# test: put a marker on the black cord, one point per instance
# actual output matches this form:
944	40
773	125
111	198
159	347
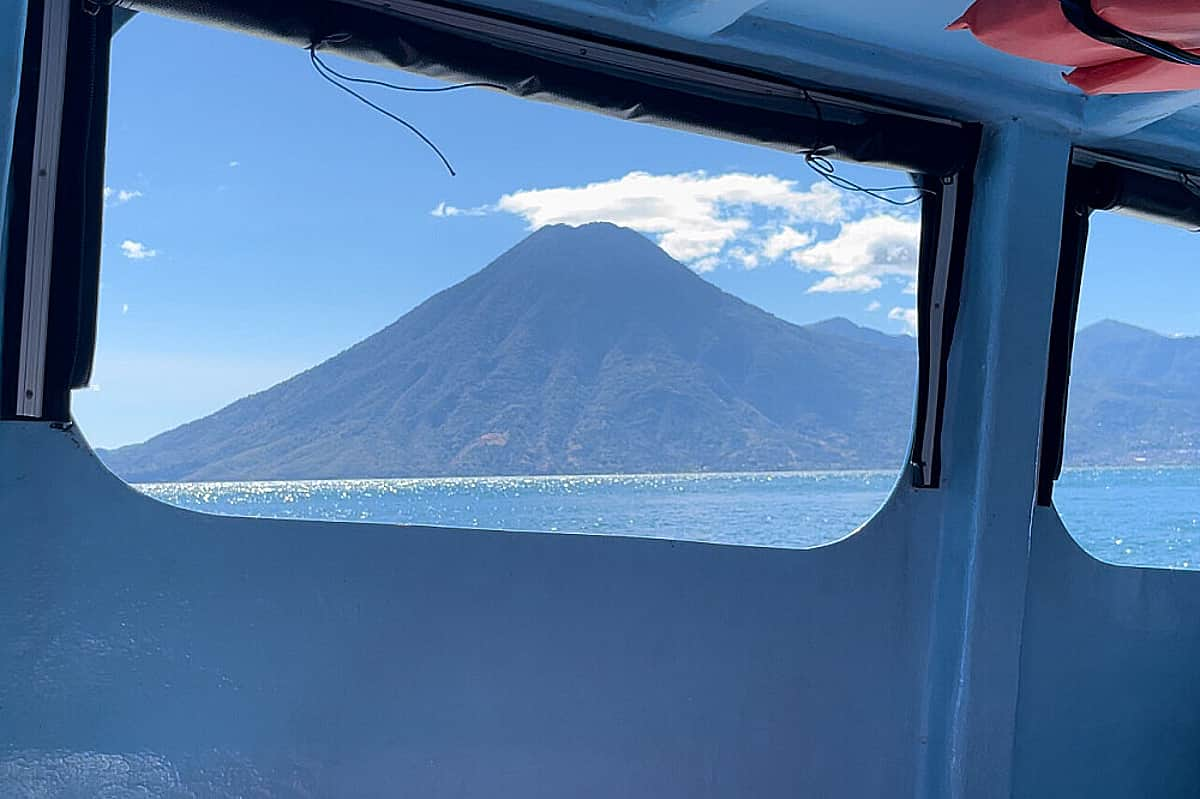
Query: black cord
92	7
386	85
320	70
824	167
819	115
1190	183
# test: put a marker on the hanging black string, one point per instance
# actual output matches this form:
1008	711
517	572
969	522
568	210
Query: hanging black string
816	107
332	76
312	52
824	167
92	7
1190	183
396	87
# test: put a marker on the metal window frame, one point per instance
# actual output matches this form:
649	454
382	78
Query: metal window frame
726	93
945	221
1099	181
51	265
39	246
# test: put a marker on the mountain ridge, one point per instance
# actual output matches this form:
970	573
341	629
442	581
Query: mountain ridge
588	350
577	350
1133	397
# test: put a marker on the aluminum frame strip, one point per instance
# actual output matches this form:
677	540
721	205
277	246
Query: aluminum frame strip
1084	156
39	247
937	311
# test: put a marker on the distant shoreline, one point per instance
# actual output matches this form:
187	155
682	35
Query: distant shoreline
618	476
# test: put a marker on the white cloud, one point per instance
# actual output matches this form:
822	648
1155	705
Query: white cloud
862	254
784	241
906	315
695	216
874	305
136	250
124	308
233	164
844	284
911	288
443	209
119	196
745	257
707	220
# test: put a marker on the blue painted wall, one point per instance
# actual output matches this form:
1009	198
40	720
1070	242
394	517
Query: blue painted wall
348	660
1109	692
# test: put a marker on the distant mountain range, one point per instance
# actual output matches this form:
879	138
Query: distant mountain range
589	350
1135	398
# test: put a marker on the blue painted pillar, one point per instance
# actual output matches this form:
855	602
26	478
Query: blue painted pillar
12	37
996	384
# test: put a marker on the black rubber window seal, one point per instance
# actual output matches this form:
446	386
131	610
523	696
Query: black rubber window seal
1077	213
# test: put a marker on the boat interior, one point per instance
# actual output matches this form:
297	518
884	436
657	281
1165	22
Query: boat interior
959	644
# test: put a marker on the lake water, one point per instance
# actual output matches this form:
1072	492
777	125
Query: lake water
1130	516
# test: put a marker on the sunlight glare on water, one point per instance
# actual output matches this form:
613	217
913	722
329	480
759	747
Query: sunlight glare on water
1134	516
802	509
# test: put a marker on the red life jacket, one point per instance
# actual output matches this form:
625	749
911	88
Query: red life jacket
1176	21
1033	29
1133	75
1040	30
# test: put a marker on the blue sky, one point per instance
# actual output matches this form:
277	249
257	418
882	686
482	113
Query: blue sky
259	221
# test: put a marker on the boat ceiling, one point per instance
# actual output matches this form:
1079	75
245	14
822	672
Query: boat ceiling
890	50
